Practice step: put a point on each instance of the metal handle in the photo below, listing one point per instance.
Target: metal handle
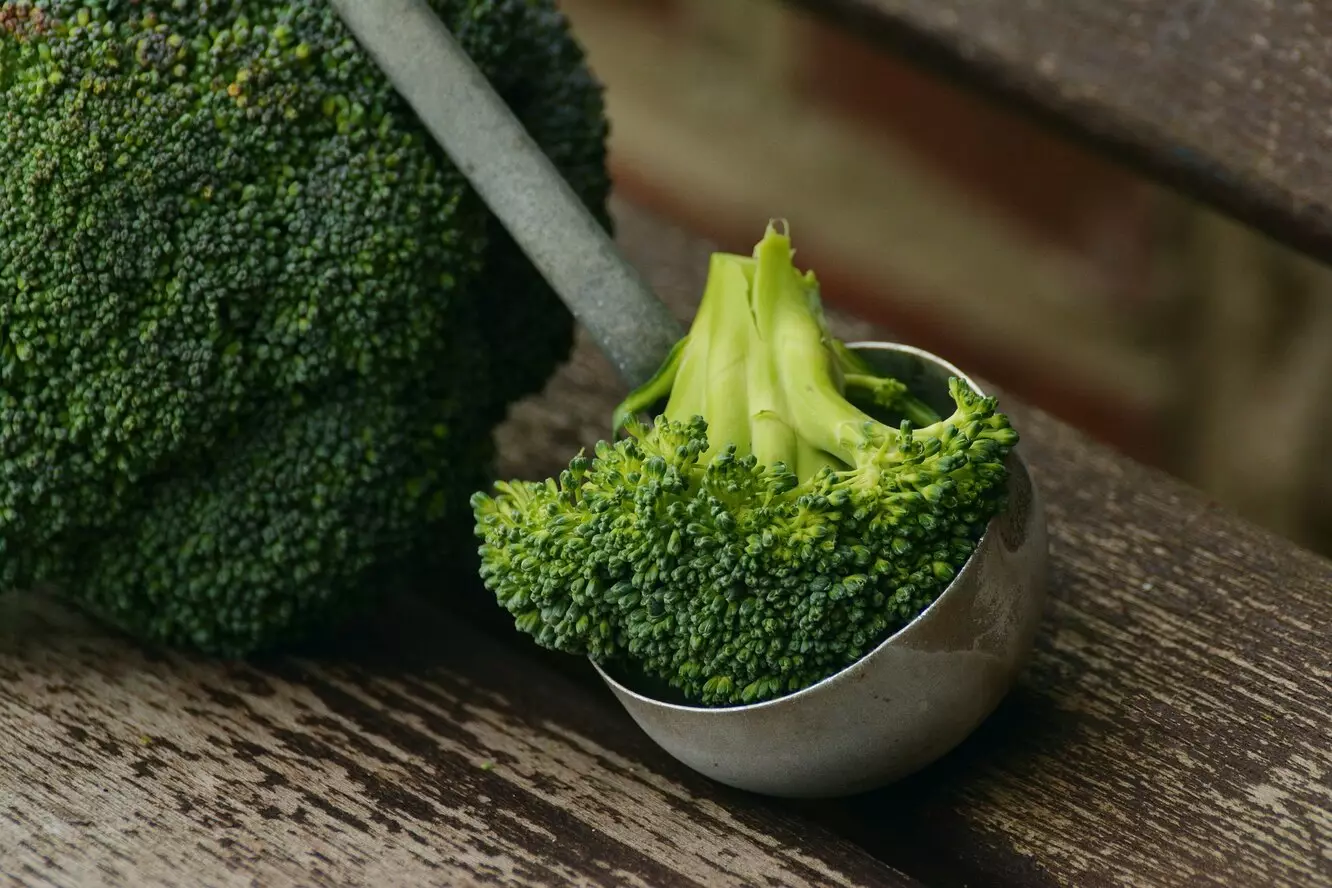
(517, 181)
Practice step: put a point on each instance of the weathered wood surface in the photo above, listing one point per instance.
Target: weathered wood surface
(1174, 728)
(1228, 99)
(424, 754)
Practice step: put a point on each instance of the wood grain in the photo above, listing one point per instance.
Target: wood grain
(421, 754)
(1227, 100)
(1173, 729)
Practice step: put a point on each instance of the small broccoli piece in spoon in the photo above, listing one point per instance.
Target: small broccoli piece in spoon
(762, 531)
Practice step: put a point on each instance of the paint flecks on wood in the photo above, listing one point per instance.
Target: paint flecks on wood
(422, 756)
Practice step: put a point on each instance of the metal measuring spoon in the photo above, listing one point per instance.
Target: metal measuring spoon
(915, 696)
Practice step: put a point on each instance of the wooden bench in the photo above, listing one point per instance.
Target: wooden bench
(1174, 727)
(1228, 101)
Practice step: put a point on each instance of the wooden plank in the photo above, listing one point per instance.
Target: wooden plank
(1226, 100)
(420, 753)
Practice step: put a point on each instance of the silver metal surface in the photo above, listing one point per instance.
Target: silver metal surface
(914, 697)
(519, 184)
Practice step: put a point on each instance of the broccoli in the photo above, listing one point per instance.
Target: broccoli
(255, 329)
(763, 531)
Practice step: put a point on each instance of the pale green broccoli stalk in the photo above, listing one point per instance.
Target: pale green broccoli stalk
(763, 532)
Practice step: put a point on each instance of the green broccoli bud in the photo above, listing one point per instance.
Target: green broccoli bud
(761, 531)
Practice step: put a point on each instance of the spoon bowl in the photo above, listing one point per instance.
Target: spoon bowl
(910, 700)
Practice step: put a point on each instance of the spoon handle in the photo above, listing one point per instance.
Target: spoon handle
(519, 184)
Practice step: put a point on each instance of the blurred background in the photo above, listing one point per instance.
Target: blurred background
(1164, 330)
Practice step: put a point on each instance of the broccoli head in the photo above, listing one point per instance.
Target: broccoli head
(255, 328)
(770, 524)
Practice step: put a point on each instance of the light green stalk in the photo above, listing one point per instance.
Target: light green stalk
(760, 365)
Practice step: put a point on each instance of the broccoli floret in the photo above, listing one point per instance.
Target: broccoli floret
(255, 328)
(763, 531)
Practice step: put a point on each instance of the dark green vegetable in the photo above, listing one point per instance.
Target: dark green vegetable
(255, 330)
(763, 531)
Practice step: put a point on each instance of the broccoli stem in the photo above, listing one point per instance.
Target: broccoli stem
(642, 399)
(883, 391)
(891, 394)
(804, 364)
(761, 366)
(733, 377)
(712, 378)
(774, 441)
